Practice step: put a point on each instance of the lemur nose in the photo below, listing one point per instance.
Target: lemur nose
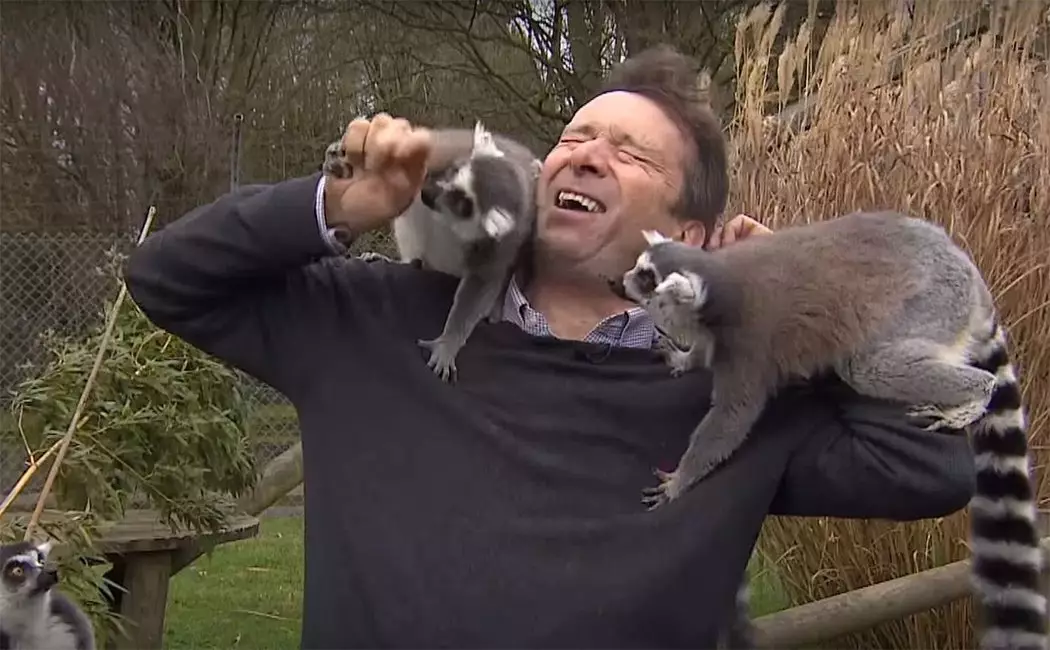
(616, 286)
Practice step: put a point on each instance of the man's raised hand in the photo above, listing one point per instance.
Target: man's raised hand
(388, 157)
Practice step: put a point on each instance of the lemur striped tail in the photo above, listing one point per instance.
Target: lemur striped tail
(740, 634)
(1010, 606)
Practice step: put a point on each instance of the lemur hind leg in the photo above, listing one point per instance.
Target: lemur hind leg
(475, 297)
(736, 406)
(919, 373)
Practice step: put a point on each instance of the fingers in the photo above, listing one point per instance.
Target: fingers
(734, 230)
(414, 151)
(721, 236)
(751, 227)
(374, 144)
(354, 142)
(737, 228)
(384, 138)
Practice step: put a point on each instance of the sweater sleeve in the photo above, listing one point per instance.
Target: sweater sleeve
(864, 459)
(244, 278)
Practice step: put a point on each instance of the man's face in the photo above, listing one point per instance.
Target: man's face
(626, 158)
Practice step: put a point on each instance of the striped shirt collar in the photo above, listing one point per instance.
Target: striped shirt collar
(632, 328)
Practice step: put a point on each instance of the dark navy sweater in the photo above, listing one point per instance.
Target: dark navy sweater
(505, 510)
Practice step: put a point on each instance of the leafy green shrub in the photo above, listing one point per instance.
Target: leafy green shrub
(164, 420)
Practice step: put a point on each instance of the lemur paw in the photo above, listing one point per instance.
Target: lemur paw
(676, 359)
(680, 363)
(371, 256)
(497, 223)
(335, 161)
(669, 489)
(663, 344)
(442, 358)
(958, 417)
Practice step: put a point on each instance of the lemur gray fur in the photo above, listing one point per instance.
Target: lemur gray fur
(33, 614)
(740, 633)
(473, 218)
(893, 307)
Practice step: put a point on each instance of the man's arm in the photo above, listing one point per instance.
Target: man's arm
(864, 459)
(234, 277)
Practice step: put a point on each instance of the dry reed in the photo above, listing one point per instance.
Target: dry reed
(960, 137)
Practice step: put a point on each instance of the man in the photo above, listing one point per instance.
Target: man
(505, 509)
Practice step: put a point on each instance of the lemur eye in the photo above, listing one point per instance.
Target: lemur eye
(459, 203)
(16, 572)
(647, 280)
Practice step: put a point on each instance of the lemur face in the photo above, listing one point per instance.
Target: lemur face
(23, 572)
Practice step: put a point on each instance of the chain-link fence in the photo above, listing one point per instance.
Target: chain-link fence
(60, 282)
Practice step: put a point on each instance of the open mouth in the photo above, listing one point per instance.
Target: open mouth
(577, 202)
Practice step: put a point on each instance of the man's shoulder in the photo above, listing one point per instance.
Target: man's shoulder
(378, 269)
(382, 281)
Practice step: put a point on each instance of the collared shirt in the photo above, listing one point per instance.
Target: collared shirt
(631, 328)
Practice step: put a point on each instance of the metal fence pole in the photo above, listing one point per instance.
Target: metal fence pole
(235, 152)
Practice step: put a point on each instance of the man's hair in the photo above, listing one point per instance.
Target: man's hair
(672, 81)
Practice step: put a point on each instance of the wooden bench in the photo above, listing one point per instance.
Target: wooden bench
(141, 549)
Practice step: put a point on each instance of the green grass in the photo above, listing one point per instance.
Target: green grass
(767, 596)
(248, 594)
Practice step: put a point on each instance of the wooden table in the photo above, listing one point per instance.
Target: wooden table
(141, 549)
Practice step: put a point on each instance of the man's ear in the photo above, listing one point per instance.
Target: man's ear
(693, 233)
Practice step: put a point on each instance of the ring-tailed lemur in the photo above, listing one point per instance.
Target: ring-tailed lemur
(893, 307)
(33, 614)
(473, 218)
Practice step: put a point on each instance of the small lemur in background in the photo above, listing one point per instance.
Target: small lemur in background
(33, 614)
(474, 217)
(894, 308)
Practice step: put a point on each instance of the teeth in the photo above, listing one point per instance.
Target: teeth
(564, 198)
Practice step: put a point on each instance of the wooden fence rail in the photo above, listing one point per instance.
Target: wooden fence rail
(862, 609)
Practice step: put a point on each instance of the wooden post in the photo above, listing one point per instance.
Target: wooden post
(235, 153)
(280, 476)
(146, 578)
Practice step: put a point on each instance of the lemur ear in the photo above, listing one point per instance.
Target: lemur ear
(484, 143)
(44, 549)
(653, 237)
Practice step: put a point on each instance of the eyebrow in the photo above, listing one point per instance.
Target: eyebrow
(616, 135)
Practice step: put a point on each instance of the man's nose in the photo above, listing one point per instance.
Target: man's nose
(591, 157)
